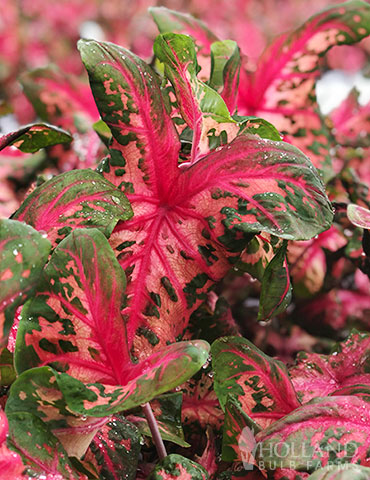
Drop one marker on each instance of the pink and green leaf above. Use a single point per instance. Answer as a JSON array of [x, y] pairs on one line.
[[346, 367], [282, 89], [76, 199], [36, 391], [75, 325], [38, 447], [114, 451], [260, 384], [32, 138], [7, 372], [329, 430], [200, 106], [23, 254], [225, 68], [167, 412], [276, 289], [222, 200], [174, 467]]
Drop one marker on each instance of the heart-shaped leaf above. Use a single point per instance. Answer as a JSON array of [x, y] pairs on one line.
[[75, 325], [199, 217], [329, 430], [80, 198], [260, 383], [23, 254], [32, 138]]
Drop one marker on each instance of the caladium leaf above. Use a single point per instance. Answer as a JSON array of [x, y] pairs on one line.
[[196, 100], [225, 68], [32, 138], [330, 430], [199, 217], [114, 451], [80, 198], [169, 21], [359, 216], [260, 383], [346, 471], [167, 412], [36, 391], [23, 254], [276, 289], [316, 375], [10, 462], [258, 254], [282, 88], [176, 466], [238, 440], [38, 448], [75, 325]]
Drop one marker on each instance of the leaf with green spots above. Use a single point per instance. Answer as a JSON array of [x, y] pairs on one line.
[[282, 89], [23, 254], [11, 464], [39, 449], [346, 471], [328, 430], [200, 106], [276, 289], [191, 222], [260, 383], [174, 467], [75, 325], [225, 68], [238, 442], [167, 411], [257, 255], [345, 371], [114, 451], [32, 138], [80, 198], [36, 391]]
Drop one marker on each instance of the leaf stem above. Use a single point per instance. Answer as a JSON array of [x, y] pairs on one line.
[[152, 422]]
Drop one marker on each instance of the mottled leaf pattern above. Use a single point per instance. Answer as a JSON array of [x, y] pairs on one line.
[[329, 429], [174, 467], [198, 217], [23, 254], [260, 383], [80, 198], [167, 412], [282, 88], [79, 306], [31, 138], [36, 391], [38, 448], [114, 451], [347, 366]]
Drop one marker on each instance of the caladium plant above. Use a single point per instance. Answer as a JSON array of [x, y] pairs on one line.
[[223, 198]]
